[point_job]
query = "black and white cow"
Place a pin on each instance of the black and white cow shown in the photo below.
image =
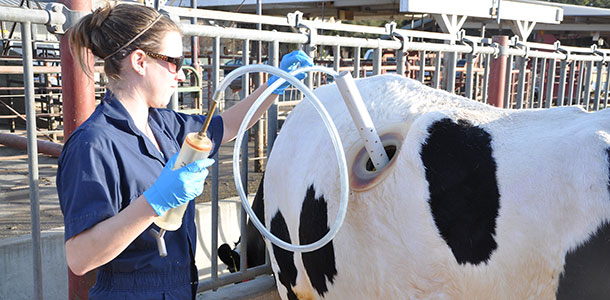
(477, 202)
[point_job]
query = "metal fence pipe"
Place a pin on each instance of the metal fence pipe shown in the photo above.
(450, 72)
(571, 49)
(432, 47)
(437, 71)
(554, 55)
(572, 65)
(587, 85)
(336, 57)
(581, 69)
(550, 83)
(422, 65)
(401, 61)
(598, 84)
(541, 83)
(533, 83)
(356, 72)
(215, 168)
(242, 34)
(585, 57)
(534, 53)
(562, 82)
(35, 16)
(272, 126)
(355, 42)
(345, 27)
(30, 110)
(486, 78)
(377, 54)
(209, 284)
(521, 83)
(432, 35)
(607, 86)
(469, 74)
(245, 91)
(226, 16)
(508, 88)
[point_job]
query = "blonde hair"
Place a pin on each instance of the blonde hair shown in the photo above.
(113, 32)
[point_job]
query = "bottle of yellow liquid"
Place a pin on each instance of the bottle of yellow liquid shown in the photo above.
(195, 147)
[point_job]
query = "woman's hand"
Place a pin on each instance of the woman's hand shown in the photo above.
(289, 63)
(176, 187)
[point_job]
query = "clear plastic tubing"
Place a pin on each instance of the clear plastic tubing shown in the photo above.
(334, 135)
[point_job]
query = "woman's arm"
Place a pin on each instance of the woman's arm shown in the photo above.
(103, 242)
(233, 116)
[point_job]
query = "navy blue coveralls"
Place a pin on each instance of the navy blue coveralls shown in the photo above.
(107, 163)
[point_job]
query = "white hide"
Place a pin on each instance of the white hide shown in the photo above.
(552, 173)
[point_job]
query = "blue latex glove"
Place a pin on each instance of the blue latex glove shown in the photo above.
(289, 63)
(176, 187)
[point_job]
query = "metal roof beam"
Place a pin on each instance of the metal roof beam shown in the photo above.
(547, 27)
(450, 23)
(522, 28)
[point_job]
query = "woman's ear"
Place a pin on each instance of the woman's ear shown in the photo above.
(138, 62)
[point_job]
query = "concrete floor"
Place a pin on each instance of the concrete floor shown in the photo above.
(15, 217)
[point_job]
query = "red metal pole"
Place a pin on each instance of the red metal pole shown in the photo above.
(78, 103)
(78, 89)
(21, 142)
(497, 73)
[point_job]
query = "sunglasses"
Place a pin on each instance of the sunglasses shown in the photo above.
(176, 61)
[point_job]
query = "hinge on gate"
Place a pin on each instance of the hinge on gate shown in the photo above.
(465, 40)
(523, 46)
(295, 20)
(558, 48)
(390, 30)
(597, 52)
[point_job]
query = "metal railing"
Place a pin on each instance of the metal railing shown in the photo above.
(26, 17)
(445, 49)
(541, 76)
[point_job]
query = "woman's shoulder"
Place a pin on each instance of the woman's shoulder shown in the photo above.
(93, 132)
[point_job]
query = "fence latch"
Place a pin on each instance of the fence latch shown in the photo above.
(558, 48)
(597, 52)
(72, 16)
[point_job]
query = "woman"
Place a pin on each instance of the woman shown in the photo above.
(115, 172)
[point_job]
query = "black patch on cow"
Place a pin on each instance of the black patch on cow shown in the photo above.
(288, 271)
(319, 264)
(586, 272)
(255, 243)
(464, 197)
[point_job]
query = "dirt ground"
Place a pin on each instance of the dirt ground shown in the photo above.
(14, 189)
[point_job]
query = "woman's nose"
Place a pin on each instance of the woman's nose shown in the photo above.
(181, 76)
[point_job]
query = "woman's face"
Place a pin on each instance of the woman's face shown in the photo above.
(162, 75)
